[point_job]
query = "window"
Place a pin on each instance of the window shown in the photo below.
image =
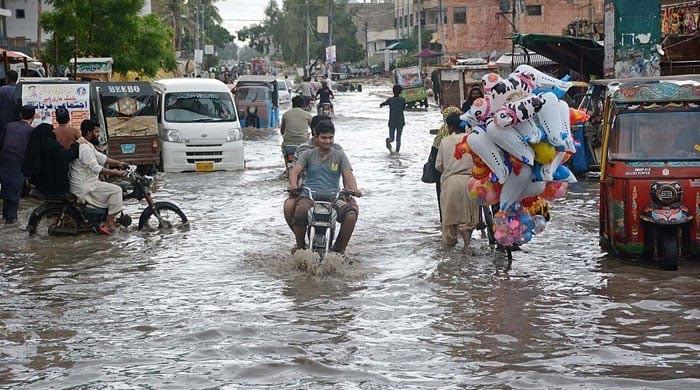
(186, 107)
(460, 15)
(19, 13)
(533, 10)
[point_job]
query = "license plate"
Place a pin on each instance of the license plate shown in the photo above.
(204, 166)
(128, 148)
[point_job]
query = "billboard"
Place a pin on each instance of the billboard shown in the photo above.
(330, 54)
(47, 97)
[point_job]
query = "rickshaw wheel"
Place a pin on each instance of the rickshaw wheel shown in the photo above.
(669, 256)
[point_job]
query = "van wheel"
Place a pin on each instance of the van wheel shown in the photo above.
(669, 247)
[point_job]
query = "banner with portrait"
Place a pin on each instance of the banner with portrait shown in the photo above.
(47, 97)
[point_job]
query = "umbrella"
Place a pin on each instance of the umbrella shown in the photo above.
(427, 53)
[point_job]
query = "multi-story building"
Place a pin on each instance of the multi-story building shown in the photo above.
(480, 27)
(20, 24)
(375, 26)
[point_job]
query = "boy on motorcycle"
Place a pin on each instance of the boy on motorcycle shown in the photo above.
(323, 167)
(85, 182)
(325, 94)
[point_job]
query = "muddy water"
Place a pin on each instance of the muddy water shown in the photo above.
(224, 304)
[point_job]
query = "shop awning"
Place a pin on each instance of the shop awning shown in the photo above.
(401, 45)
(533, 59)
(583, 55)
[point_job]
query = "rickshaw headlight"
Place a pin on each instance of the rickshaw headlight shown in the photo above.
(666, 193)
(233, 135)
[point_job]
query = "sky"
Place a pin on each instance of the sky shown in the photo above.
(239, 13)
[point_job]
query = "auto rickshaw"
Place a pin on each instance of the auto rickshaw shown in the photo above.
(131, 124)
(257, 101)
(650, 170)
(413, 88)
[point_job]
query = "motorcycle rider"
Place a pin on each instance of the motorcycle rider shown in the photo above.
(295, 124)
(325, 95)
(85, 182)
(323, 166)
(306, 93)
(291, 202)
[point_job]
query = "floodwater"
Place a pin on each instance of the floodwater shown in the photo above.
(224, 304)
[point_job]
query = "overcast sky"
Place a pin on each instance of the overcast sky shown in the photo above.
(239, 13)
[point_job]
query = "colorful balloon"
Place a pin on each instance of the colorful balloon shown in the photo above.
(511, 142)
(544, 153)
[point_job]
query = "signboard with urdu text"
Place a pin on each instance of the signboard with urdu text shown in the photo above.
(46, 98)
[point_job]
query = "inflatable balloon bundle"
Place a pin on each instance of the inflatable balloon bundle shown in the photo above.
(516, 226)
(520, 139)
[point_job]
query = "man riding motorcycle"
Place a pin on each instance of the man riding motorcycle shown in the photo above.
(85, 182)
(323, 167)
(325, 95)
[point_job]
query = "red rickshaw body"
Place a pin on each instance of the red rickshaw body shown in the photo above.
(650, 171)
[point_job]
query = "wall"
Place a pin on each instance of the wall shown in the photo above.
(487, 29)
(637, 31)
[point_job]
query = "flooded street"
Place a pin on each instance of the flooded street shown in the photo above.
(224, 303)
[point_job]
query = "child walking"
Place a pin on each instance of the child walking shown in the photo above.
(396, 120)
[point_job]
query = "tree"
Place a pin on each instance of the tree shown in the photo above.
(284, 31)
(108, 28)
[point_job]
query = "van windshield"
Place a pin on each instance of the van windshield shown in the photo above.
(670, 135)
(186, 107)
(253, 94)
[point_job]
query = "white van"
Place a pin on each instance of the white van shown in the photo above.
(198, 128)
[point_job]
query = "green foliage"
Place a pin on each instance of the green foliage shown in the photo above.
(283, 32)
(108, 28)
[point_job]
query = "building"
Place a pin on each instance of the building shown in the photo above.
(375, 26)
(20, 24)
(482, 27)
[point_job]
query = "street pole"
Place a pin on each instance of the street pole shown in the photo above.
(420, 37)
(442, 28)
(308, 30)
(330, 22)
(512, 38)
(366, 46)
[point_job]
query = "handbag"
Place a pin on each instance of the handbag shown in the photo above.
(430, 174)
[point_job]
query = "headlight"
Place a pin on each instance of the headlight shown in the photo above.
(666, 193)
(320, 208)
(233, 135)
(172, 135)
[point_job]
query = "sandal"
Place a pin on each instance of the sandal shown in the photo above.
(102, 229)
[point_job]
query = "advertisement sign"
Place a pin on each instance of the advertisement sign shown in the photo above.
(408, 77)
(209, 49)
(198, 56)
(322, 24)
(330, 54)
(46, 98)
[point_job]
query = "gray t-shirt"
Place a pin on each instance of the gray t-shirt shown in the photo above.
(323, 172)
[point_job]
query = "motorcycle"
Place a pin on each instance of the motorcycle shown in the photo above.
(322, 218)
(64, 216)
(325, 109)
(666, 224)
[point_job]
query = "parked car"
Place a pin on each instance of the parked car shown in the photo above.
(198, 128)
(284, 95)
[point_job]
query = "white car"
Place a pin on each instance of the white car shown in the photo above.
(198, 130)
(284, 95)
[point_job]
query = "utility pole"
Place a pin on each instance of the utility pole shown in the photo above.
(308, 31)
(442, 28)
(512, 38)
(366, 46)
(420, 37)
(330, 22)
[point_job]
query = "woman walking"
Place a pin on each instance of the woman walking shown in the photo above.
(460, 214)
